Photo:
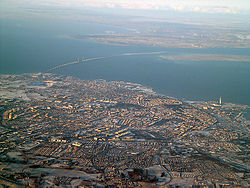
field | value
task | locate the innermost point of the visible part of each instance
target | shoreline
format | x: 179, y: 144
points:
x: 140, y: 87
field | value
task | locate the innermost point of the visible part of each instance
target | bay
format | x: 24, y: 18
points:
x: 35, y: 46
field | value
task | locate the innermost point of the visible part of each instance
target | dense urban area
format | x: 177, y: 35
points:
x: 59, y: 131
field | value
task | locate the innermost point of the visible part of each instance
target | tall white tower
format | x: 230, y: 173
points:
x: 220, y: 101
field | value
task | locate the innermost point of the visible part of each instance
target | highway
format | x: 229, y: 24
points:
x: 103, y: 57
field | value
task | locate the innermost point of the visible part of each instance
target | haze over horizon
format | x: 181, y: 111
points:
x: 205, y: 6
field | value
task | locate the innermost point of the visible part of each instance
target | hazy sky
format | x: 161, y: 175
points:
x: 208, y: 6
x: 211, y: 6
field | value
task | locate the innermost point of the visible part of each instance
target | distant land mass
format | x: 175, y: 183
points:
x: 208, y: 57
x: 169, y: 40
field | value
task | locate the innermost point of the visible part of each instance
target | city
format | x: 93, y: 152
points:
x: 63, y: 131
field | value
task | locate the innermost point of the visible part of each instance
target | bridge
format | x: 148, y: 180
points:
x: 78, y: 61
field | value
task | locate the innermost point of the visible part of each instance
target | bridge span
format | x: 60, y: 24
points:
x: 102, y: 57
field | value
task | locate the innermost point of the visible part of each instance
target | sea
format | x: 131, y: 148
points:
x: 31, y: 46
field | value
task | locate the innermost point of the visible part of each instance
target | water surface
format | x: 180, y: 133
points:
x: 31, y: 46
